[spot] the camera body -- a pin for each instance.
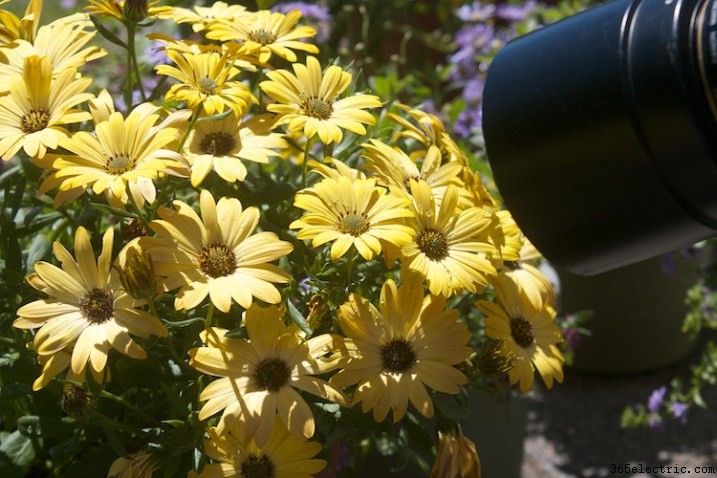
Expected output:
(601, 133)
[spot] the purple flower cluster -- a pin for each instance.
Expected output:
(655, 403)
(486, 27)
(317, 15)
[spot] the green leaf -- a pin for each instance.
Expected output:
(19, 449)
(174, 423)
(216, 117)
(17, 197)
(182, 323)
(113, 439)
(8, 359)
(11, 247)
(298, 317)
(33, 426)
(106, 33)
(39, 249)
(418, 435)
(265, 4)
(113, 210)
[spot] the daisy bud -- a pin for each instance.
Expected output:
(132, 228)
(137, 276)
(456, 457)
(492, 361)
(135, 10)
(76, 402)
(316, 311)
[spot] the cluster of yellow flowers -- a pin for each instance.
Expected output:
(419, 205)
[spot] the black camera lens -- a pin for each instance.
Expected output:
(602, 135)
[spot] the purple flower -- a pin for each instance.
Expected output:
(473, 90)
(304, 285)
(476, 12)
(669, 265)
(656, 424)
(468, 122)
(656, 398)
(679, 409)
(572, 337)
(516, 13)
(308, 10)
(68, 4)
(318, 15)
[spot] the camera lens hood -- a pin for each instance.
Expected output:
(601, 134)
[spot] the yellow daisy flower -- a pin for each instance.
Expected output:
(409, 343)
(396, 169)
(450, 248)
(266, 33)
(351, 212)
(124, 156)
(216, 255)
(117, 8)
(307, 101)
(528, 334)
(61, 41)
(223, 144)
(427, 129)
(260, 376)
(516, 252)
(339, 169)
(25, 28)
(86, 309)
(283, 456)
(201, 17)
(141, 464)
(33, 114)
(205, 78)
(237, 53)
(53, 364)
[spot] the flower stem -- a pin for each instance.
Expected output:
(195, 118)
(129, 71)
(304, 165)
(132, 55)
(210, 313)
(349, 267)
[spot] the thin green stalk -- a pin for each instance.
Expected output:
(133, 59)
(129, 70)
(349, 266)
(305, 165)
(195, 118)
(210, 313)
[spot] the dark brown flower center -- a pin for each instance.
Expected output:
(207, 86)
(97, 306)
(217, 144)
(119, 164)
(262, 36)
(271, 374)
(217, 260)
(354, 224)
(433, 244)
(35, 120)
(257, 467)
(317, 108)
(522, 332)
(398, 355)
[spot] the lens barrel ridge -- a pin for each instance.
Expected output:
(600, 136)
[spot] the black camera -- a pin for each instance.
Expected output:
(602, 135)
